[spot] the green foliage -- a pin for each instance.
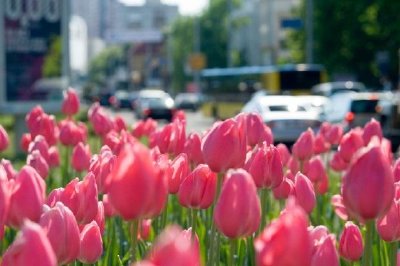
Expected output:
(348, 35)
(53, 62)
(104, 65)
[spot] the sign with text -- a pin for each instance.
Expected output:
(32, 50)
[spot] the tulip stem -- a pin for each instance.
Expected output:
(64, 177)
(264, 207)
(213, 231)
(194, 222)
(369, 235)
(232, 255)
(134, 227)
(393, 253)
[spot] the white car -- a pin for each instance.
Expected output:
(287, 116)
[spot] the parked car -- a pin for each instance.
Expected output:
(123, 99)
(354, 109)
(330, 88)
(189, 101)
(287, 116)
(152, 103)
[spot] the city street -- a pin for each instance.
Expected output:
(196, 121)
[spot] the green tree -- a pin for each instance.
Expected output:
(53, 62)
(349, 34)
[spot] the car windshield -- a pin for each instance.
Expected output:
(287, 108)
(155, 102)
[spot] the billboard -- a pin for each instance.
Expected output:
(33, 54)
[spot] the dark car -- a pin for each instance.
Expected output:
(188, 101)
(156, 104)
(123, 99)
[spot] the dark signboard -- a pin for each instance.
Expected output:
(32, 49)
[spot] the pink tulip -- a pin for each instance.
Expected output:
(144, 128)
(100, 121)
(71, 134)
(101, 165)
(30, 248)
(137, 187)
(304, 192)
(224, 146)
(91, 244)
(237, 212)
(396, 170)
(179, 170)
(4, 140)
(284, 153)
(100, 217)
(303, 148)
(351, 242)
(9, 170)
(372, 128)
(256, 130)
(46, 126)
(193, 148)
(179, 115)
(388, 226)
(325, 252)
(70, 105)
(5, 196)
(144, 229)
(284, 189)
(368, 188)
(174, 247)
(40, 144)
(109, 210)
(81, 157)
(350, 144)
(119, 123)
(321, 145)
(316, 234)
(27, 197)
(25, 141)
(315, 169)
(325, 128)
(36, 160)
(60, 226)
(198, 188)
(339, 208)
(337, 163)
(33, 116)
(171, 138)
(334, 134)
(285, 241)
(293, 164)
(265, 166)
(54, 157)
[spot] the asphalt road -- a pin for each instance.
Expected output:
(196, 121)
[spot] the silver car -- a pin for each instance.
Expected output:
(287, 116)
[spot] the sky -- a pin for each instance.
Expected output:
(186, 7)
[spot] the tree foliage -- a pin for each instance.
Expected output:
(349, 34)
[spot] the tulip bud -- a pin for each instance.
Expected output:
(36, 160)
(32, 117)
(8, 168)
(284, 153)
(54, 157)
(60, 226)
(193, 148)
(334, 134)
(4, 140)
(284, 189)
(174, 247)
(285, 241)
(27, 197)
(350, 144)
(337, 163)
(238, 210)
(70, 105)
(338, 206)
(256, 130)
(198, 188)
(81, 157)
(325, 252)
(71, 134)
(30, 248)
(100, 121)
(304, 192)
(101, 165)
(91, 244)
(40, 144)
(265, 166)
(171, 138)
(144, 128)
(351, 243)
(303, 148)
(119, 123)
(179, 170)
(368, 188)
(25, 141)
(372, 128)
(388, 226)
(321, 145)
(224, 146)
(137, 188)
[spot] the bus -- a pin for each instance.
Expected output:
(228, 89)
(282, 79)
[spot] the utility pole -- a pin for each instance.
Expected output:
(196, 46)
(228, 31)
(309, 32)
